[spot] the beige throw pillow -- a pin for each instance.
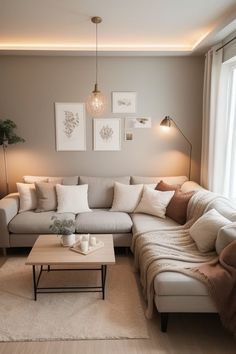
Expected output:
(46, 196)
(28, 199)
(225, 236)
(72, 199)
(154, 202)
(204, 230)
(126, 197)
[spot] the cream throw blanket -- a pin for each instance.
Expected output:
(172, 249)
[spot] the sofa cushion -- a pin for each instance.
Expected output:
(154, 202)
(144, 223)
(177, 208)
(204, 231)
(150, 180)
(46, 196)
(28, 197)
(103, 221)
(126, 197)
(30, 222)
(226, 235)
(101, 189)
(72, 199)
(174, 283)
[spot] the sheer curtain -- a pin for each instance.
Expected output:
(226, 132)
(213, 64)
(218, 169)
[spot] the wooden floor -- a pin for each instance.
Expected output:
(187, 334)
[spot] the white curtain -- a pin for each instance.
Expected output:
(225, 153)
(213, 64)
(218, 168)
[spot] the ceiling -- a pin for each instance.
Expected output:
(141, 27)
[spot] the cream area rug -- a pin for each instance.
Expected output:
(70, 316)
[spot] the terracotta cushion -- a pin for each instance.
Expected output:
(177, 208)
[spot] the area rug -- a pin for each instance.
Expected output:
(70, 316)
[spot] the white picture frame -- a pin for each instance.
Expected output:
(107, 134)
(138, 122)
(70, 126)
(124, 102)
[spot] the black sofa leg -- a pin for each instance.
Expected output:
(164, 321)
(4, 251)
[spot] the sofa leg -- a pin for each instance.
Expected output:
(4, 251)
(164, 321)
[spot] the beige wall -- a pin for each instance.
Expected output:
(29, 86)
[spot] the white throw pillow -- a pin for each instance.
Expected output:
(28, 198)
(225, 236)
(154, 202)
(126, 197)
(204, 230)
(72, 199)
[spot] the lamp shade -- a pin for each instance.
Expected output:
(96, 103)
(166, 122)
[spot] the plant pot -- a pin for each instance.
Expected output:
(67, 240)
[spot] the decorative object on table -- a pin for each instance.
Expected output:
(86, 247)
(64, 228)
(107, 134)
(96, 102)
(70, 127)
(124, 102)
(8, 137)
(166, 124)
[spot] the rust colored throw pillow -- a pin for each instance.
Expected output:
(164, 187)
(177, 208)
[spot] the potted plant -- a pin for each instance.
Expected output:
(8, 137)
(65, 228)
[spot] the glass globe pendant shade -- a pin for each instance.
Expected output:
(96, 103)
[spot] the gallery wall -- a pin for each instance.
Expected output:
(30, 86)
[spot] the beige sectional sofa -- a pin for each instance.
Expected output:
(174, 292)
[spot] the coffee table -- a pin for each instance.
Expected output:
(47, 252)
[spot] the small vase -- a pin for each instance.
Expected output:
(68, 240)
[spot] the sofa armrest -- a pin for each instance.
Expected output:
(9, 207)
(190, 186)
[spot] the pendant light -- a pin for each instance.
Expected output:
(96, 102)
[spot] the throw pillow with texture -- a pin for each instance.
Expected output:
(72, 199)
(204, 230)
(154, 202)
(177, 208)
(126, 197)
(225, 236)
(46, 196)
(28, 198)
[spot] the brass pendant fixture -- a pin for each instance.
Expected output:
(96, 102)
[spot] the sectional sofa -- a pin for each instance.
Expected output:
(174, 292)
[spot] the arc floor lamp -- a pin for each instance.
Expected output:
(166, 122)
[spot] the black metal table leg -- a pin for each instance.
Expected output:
(104, 273)
(34, 284)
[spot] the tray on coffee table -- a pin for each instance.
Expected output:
(77, 248)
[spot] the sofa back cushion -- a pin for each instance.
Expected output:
(68, 181)
(101, 189)
(150, 180)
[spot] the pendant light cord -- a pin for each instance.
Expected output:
(96, 53)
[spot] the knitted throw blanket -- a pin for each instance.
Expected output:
(172, 249)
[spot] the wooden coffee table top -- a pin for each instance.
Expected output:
(47, 250)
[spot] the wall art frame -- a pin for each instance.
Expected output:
(124, 101)
(107, 134)
(70, 122)
(141, 122)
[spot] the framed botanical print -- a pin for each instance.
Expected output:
(70, 127)
(124, 102)
(107, 134)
